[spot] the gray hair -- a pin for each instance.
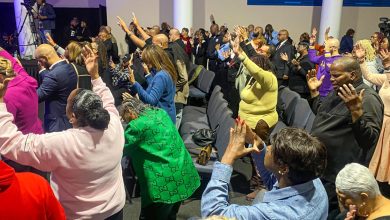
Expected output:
(88, 109)
(355, 179)
(134, 105)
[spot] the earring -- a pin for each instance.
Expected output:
(281, 173)
(362, 210)
(71, 121)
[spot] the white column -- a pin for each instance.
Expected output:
(182, 14)
(25, 36)
(330, 17)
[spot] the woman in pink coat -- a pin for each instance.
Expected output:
(85, 161)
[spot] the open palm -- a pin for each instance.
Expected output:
(91, 62)
(312, 82)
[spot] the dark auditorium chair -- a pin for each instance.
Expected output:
(203, 84)
(301, 114)
(287, 100)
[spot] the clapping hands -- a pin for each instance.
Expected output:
(238, 137)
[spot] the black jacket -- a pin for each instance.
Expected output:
(200, 54)
(112, 51)
(281, 65)
(347, 142)
(212, 54)
(297, 77)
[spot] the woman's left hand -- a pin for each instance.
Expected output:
(236, 147)
(91, 62)
(131, 75)
(3, 88)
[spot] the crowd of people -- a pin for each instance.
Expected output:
(100, 108)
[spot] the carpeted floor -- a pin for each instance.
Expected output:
(191, 207)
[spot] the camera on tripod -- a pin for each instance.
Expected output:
(384, 26)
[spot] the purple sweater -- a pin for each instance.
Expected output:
(323, 63)
(21, 99)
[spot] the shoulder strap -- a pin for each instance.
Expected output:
(196, 74)
(77, 73)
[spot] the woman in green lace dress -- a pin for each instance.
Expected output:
(164, 168)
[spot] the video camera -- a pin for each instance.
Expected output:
(384, 26)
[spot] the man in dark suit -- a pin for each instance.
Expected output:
(59, 80)
(298, 70)
(214, 44)
(46, 19)
(283, 47)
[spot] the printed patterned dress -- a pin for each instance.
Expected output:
(162, 164)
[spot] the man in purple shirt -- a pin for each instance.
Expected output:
(324, 62)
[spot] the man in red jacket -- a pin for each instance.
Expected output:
(26, 196)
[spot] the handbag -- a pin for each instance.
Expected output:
(205, 138)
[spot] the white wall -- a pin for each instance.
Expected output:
(232, 12)
(147, 12)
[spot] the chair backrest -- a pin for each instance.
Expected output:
(216, 90)
(301, 114)
(205, 79)
(223, 133)
(287, 100)
(215, 103)
(310, 121)
(216, 117)
(280, 125)
(191, 70)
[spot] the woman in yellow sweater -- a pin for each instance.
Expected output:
(259, 97)
(258, 102)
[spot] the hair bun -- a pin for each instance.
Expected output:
(98, 118)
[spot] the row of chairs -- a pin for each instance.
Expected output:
(202, 84)
(216, 116)
(293, 111)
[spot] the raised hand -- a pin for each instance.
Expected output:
(236, 47)
(146, 68)
(126, 96)
(135, 20)
(123, 25)
(313, 36)
(3, 88)
(352, 100)
(284, 56)
(217, 47)
(314, 32)
(360, 53)
(212, 20)
(91, 62)
(295, 62)
(327, 33)
(236, 147)
(312, 82)
(131, 75)
(50, 39)
(384, 54)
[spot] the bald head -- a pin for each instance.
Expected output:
(46, 55)
(174, 35)
(348, 64)
(333, 42)
(160, 40)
